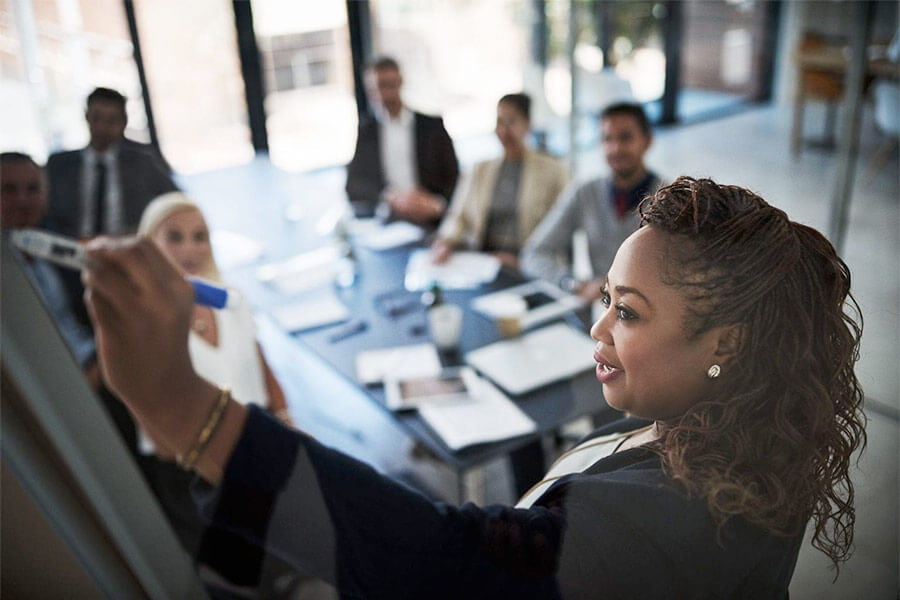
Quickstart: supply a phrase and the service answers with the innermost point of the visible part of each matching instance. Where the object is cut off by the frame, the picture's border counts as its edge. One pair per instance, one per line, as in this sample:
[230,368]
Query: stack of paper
[302,272]
[463,270]
[418,360]
[313,310]
[233,250]
[393,235]
[485,415]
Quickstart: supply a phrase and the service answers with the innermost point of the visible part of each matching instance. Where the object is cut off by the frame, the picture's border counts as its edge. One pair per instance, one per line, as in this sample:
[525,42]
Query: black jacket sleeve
[616,530]
[365,179]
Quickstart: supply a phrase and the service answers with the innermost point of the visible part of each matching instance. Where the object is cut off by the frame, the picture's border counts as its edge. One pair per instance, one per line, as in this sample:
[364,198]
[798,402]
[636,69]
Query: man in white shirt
[103,188]
[404,166]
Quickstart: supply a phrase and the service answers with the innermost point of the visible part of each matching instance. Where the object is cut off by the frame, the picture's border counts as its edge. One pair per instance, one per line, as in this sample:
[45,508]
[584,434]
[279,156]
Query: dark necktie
[100,198]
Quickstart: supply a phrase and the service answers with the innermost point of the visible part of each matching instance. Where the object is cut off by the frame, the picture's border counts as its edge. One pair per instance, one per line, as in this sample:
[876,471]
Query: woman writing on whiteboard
[729,330]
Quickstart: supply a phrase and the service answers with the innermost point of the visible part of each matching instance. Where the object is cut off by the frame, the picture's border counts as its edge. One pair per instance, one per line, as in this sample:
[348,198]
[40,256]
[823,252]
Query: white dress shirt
[398,149]
[112,224]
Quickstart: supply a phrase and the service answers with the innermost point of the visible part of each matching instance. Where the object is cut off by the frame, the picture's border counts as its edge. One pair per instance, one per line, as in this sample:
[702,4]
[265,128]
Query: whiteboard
[68,456]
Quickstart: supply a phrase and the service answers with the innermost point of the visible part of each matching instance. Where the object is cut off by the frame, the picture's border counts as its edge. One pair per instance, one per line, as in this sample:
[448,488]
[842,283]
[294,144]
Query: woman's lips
[605,371]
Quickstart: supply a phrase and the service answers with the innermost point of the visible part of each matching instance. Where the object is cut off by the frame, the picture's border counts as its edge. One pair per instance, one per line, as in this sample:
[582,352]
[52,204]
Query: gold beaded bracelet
[212,424]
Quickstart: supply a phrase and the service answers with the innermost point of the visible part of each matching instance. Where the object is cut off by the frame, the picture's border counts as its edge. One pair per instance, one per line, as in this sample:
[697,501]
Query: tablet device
[544,301]
[408,393]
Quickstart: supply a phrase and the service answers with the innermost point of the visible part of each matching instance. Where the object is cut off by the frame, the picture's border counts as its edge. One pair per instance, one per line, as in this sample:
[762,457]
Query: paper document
[393,235]
[233,250]
[303,272]
[313,310]
[418,360]
[463,270]
[485,415]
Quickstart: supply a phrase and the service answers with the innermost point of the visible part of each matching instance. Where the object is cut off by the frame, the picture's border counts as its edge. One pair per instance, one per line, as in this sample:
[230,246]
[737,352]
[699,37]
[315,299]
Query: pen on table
[70,253]
[348,331]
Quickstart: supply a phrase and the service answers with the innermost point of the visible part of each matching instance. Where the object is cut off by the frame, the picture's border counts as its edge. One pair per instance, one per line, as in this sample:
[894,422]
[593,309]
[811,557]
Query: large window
[308,76]
[52,54]
[194,77]
[723,55]
[458,59]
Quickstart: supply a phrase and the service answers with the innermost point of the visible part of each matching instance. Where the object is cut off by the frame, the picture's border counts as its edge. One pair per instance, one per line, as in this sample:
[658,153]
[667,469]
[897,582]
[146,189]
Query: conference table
[395,316]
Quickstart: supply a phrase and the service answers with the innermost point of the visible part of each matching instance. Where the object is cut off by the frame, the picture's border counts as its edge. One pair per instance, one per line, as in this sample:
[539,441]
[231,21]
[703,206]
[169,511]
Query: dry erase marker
[67,252]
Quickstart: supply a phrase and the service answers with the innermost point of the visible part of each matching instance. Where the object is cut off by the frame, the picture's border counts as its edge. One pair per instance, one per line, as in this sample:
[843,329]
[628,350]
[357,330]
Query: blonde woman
[222,343]
[223,350]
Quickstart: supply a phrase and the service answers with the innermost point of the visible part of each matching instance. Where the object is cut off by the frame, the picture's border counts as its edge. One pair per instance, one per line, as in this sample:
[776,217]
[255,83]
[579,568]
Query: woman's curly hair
[772,442]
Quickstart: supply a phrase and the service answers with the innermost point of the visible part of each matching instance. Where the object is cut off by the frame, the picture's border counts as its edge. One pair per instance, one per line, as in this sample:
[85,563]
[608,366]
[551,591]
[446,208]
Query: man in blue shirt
[23,203]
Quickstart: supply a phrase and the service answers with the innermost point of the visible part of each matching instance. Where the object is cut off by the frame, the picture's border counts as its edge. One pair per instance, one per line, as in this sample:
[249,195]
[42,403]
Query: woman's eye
[604,298]
[625,314]
[174,237]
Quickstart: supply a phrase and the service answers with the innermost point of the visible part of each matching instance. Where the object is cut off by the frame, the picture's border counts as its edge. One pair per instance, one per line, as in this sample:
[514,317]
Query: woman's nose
[600,328]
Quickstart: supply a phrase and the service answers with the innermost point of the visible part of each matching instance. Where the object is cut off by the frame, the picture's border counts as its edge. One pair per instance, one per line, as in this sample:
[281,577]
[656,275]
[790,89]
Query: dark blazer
[620,529]
[436,163]
[143,176]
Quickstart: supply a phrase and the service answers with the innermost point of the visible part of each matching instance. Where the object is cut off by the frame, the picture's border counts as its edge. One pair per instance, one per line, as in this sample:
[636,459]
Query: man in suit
[404,166]
[103,188]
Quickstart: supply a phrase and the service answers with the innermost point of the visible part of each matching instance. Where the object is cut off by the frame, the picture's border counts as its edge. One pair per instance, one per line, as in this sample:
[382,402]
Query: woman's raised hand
[141,307]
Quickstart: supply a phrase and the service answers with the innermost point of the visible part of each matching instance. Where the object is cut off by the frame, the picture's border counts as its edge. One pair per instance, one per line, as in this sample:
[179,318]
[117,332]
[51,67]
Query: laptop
[535,359]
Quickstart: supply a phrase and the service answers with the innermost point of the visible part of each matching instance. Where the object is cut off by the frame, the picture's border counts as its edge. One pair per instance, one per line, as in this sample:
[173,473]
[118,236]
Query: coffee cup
[508,312]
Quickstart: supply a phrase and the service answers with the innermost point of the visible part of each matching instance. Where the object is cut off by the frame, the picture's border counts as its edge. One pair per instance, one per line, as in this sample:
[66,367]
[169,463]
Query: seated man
[103,188]
[404,166]
[604,208]
[23,201]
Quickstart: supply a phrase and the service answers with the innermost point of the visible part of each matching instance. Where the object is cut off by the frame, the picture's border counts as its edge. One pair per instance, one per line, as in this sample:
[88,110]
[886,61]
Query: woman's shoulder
[632,514]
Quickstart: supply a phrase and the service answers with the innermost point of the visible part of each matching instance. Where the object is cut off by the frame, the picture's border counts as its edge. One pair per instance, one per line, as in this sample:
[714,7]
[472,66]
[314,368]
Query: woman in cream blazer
[504,199]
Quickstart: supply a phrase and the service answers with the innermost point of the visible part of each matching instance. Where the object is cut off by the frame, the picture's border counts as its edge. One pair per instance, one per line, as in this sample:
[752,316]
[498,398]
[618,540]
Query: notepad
[484,415]
[313,310]
[392,235]
[372,366]
[302,272]
[463,270]
[234,250]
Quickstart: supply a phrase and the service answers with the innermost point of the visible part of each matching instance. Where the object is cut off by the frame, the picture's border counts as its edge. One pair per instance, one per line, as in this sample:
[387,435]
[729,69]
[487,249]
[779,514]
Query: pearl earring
[714,371]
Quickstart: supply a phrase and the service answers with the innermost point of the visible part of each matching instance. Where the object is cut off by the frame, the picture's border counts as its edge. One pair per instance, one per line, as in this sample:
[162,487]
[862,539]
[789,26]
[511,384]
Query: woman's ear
[729,343]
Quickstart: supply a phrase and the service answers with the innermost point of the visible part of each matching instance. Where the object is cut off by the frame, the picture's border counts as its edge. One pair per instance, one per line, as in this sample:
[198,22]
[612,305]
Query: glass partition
[194,77]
